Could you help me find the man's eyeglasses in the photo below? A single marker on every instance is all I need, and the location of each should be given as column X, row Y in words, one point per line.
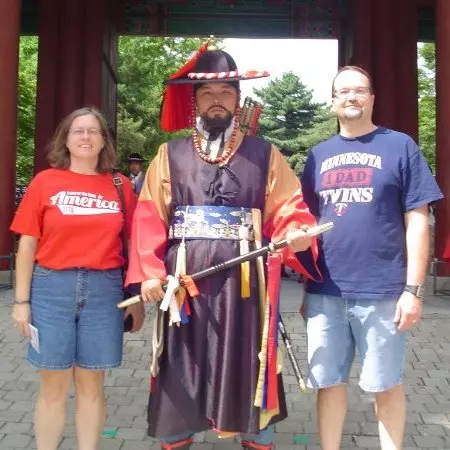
column 359, row 92
column 81, row 132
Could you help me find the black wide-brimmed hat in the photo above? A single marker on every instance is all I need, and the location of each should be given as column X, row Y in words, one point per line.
column 216, row 66
column 206, row 66
column 135, row 157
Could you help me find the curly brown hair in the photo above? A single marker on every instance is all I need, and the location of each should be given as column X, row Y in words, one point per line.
column 58, row 153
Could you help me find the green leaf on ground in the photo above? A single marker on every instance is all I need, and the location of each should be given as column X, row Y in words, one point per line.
column 109, row 433
column 300, row 439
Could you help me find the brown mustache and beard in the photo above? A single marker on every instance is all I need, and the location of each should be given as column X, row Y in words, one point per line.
column 215, row 124
column 353, row 114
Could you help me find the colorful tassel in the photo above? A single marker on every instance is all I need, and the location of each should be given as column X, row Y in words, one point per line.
column 180, row 265
column 245, row 266
column 180, row 270
column 175, row 108
column 261, row 385
column 157, row 342
column 273, row 289
column 190, row 285
column 175, row 317
column 172, row 286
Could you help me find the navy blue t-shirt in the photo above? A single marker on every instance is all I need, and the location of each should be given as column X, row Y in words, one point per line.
column 365, row 185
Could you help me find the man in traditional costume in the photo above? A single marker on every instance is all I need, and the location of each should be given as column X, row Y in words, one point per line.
column 206, row 199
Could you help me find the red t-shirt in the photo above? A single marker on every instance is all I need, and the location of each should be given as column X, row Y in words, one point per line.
column 77, row 219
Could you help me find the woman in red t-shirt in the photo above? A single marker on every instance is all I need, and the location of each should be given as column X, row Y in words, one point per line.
column 69, row 276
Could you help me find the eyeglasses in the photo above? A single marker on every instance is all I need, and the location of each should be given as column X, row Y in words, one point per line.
column 359, row 92
column 81, row 132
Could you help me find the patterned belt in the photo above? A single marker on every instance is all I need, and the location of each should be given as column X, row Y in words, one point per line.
column 211, row 222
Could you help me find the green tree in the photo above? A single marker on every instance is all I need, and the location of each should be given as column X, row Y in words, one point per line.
column 289, row 116
column 324, row 127
column 28, row 54
column 427, row 103
column 144, row 64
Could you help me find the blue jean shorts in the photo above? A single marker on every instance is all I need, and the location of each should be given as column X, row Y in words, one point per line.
column 337, row 326
column 76, row 315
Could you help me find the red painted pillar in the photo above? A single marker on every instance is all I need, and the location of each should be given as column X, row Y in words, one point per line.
column 92, row 95
column 9, row 61
column 407, row 77
column 384, row 65
column 362, row 34
column 442, row 13
column 74, row 45
column 70, row 64
column 48, row 78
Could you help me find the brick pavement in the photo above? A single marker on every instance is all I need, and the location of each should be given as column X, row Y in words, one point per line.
column 427, row 385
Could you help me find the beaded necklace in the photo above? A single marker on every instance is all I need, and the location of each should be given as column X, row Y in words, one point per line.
column 226, row 153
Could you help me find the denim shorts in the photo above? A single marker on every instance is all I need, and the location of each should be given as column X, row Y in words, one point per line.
column 337, row 326
column 76, row 315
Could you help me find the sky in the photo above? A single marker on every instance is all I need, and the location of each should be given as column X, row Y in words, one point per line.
column 315, row 61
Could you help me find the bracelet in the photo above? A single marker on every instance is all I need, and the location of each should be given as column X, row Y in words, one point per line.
column 20, row 302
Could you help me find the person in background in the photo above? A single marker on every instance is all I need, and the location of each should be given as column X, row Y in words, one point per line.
column 69, row 276
column 137, row 175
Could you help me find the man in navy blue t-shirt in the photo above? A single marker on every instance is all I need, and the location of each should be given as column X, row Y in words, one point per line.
column 375, row 185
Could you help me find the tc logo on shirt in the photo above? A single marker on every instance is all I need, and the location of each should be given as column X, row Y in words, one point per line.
column 83, row 204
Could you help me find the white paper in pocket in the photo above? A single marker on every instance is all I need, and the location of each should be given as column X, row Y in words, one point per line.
column 34, row 338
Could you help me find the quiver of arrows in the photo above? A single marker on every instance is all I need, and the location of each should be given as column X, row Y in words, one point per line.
column 249, row 117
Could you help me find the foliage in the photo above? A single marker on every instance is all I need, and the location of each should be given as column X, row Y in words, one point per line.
column 144, row 65
column 291, row 119
column 323, row 128
column 427, row 103
column 28, row 52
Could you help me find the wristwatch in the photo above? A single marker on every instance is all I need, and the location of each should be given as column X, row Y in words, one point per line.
column 416, row 289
